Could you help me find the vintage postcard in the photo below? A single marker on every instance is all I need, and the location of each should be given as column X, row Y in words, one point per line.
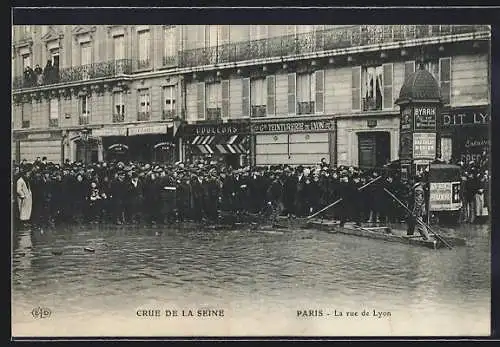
column 251, row 180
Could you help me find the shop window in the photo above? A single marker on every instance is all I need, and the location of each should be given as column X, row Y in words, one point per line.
column 118, row 107
column 144, row 42
column 54, row 112
column 168, row 102
column 373, row 149
column 84, row 110
column 144, row 105
column 213, row 101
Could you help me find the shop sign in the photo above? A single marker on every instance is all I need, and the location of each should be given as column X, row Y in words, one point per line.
column 42, row 136
column 294, row 126
column 216, row 129
column 444, row 196
column 424, row 145
column 464, row 117
column 406, row 118
column 103, row 132
column 118, row 148
column 425, row 117
column 150, row 129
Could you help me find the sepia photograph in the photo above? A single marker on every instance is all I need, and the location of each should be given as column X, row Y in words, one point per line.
column 250, row 180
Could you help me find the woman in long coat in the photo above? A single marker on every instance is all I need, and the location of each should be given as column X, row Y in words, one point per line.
column 24, row 198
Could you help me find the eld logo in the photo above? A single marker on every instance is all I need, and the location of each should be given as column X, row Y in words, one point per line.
column 41, row 312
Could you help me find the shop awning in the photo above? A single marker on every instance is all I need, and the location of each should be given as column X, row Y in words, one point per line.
column 209, row 144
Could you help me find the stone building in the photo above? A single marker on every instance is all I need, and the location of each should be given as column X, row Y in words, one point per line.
column 260, row 94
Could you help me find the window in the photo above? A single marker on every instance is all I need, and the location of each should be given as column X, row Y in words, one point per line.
column 144, row 104
column 119, row 47
column 26, row 110
column 54, row 56
column 306, row 90
column 118, row 107
column 26, row 61
column 372, row 87
column 258, row 97
column 54, row 112
column 84, row 105
column 169, row 102
column 433, row 68
column 445, row 79
column 144, row 48
column 306, row 93
column 446, row 148
column 169, row 42
column 86, row 53
column 213, row 100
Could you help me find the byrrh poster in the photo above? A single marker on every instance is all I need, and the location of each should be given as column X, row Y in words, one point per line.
column 257, row 218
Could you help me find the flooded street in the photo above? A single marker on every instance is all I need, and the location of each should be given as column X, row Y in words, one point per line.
column 259, row 278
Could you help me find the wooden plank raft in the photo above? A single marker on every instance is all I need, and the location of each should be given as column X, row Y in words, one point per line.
column 384, row 233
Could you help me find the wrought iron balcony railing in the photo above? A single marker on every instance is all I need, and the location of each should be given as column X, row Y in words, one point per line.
column 53, row 122
column 26, row 124
column 84, row 119
column 258, row 111
column 213, row 114
column 306, row 107
column 143, row 116
column 118, row 117
column 143, row 64
column 168, row 114
column 370, row 104
column 170, row 60
column 317, row 41
column 78, row 73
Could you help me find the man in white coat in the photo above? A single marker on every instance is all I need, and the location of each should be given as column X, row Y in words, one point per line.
column 24, row 198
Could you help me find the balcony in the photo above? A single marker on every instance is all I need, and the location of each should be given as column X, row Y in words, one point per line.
column 53, row 123
column 258, row 111
column 318, row 41
column 84, row 119
column 170, row 61
column 214, row 114
column 168, row 114
column 118, row 117
column 143, row 64
column 371, row 104
column 77, row 73
column 25, row 124
column 306, row 107
column 143, row 116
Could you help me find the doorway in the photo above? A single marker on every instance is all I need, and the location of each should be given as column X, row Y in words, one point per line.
column 374, row 149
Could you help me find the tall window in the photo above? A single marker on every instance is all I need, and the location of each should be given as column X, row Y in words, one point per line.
column 144, row 48
column 372, row 87
column 169, row 102
column 306, row 93
column 54, row 112
column 169, row 48
column 84, row 110
column 119, row 47
column 54, row 56
column 118, row 107
column 86, row 53
column 445, row 79
column 213, row 100
column 144, row 105
column 26, row 110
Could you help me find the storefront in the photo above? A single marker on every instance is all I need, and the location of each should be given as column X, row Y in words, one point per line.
column 367, row 141
column 143, row 143
column 303, row 142
column 465, row 133
column 29, row 146
column 228, row 142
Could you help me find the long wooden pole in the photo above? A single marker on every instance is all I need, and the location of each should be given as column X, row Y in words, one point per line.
column 340, row 199
column 420, row 221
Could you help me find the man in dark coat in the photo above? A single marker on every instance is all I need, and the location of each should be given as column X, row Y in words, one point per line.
column 135, row 198
column 152, row 201
column 118, row 197
column 197, row 198
column 289, row 191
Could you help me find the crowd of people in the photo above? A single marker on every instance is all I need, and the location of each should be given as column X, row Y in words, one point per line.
column 206, row 191
column 37, row 76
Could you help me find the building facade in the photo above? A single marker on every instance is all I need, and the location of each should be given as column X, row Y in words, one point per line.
column 259, row 94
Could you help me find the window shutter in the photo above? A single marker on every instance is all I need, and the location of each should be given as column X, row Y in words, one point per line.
column 409, row 68
column 271, row 95
column 225, row 98
column 387, row 98
column 292, row 91
column 245, row 102
column 200, row 99
column 356, row 88
column 445, row 79
column 319, row 101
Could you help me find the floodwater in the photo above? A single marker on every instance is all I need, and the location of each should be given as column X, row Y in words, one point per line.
column 259, row 278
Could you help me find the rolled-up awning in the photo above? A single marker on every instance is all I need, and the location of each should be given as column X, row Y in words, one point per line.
column 223, row 144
